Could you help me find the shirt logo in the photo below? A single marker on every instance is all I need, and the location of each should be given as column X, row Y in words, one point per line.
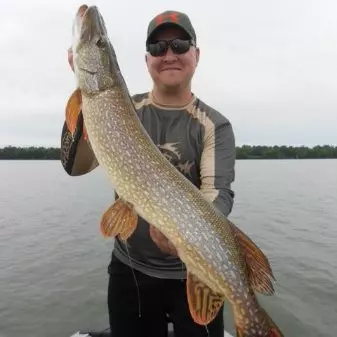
column 172, row 17
column 171, row 152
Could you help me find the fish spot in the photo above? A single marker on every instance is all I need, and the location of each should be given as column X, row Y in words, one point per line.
column 233, row 274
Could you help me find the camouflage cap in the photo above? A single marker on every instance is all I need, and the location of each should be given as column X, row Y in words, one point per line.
column 173, row 18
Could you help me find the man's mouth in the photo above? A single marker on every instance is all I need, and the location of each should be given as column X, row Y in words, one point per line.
column 171, row 68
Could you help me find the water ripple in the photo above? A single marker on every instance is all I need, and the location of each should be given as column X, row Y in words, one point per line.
column 53, row 260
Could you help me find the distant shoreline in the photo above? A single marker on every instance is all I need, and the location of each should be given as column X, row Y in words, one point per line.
column 242, row 152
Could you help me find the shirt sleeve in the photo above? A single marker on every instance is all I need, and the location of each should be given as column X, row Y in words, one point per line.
column 77, row 157
column 217, row 165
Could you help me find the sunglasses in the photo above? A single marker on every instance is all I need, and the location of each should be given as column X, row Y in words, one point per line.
column 178, row 46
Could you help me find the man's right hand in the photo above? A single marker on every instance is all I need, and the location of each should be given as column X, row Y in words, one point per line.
column 80, row 13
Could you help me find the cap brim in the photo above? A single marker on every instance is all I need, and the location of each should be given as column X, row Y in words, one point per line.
column 167, row 24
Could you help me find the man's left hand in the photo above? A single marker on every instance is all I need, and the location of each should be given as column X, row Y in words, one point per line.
column 163, row 243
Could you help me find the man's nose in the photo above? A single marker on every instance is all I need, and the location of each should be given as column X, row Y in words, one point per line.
column 170, row 56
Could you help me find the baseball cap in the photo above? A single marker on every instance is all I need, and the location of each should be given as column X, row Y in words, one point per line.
column 170, row 17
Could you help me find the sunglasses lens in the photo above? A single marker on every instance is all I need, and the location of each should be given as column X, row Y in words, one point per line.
column 178, row 46
column 158, row 49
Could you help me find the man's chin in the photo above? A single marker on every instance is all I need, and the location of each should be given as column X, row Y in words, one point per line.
column 171, row 85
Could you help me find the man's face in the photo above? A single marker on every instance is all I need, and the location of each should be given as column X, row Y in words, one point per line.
column 172, row 70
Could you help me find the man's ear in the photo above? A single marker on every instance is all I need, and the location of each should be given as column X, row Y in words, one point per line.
column 197, row 54
column 145, row 57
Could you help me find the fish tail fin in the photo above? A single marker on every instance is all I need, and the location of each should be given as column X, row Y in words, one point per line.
column 248, row 329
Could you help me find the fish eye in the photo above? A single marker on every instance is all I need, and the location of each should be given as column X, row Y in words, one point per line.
column 100, row 43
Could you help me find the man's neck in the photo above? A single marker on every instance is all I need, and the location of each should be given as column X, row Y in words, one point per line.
column 172, row 98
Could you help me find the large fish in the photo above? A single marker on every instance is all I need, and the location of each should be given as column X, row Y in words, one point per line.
column 222, row 263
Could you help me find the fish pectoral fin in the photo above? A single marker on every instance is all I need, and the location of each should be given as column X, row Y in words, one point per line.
column 260, row 274
column 203, row 302
column 73, row 109
column 119, row 219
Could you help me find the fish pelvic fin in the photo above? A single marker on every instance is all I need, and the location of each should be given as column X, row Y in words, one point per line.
column 203, row 302
column 119, row 219
column 260, row 274
column 73, row 109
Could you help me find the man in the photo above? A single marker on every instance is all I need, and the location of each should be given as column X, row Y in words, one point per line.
column 147, row 280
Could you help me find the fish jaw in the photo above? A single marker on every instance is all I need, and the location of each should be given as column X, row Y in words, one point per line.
column 92, row 53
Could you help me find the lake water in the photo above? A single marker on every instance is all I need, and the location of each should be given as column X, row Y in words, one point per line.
column 53, row 259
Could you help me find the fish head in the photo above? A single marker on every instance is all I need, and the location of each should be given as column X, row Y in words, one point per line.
column 92, row 52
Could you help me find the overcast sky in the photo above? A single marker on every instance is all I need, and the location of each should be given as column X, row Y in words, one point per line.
column 269, row 66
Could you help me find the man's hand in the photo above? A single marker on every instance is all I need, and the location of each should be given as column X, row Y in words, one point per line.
column 80, row 12
column 163, row 243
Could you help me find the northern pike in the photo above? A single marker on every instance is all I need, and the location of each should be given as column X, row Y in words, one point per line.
column 222, row 263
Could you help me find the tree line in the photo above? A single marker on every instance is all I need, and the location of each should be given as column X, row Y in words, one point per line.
column 242, row 152
column 286, row 152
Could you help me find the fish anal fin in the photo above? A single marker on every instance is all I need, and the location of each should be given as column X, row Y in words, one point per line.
column 73, row 109
column 203, row 302
column 259, row 271
column 119, row 219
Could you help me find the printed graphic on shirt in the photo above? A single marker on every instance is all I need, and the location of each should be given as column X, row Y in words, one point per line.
column 172, row 153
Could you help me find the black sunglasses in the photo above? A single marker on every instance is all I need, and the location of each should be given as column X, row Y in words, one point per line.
column 178, row 46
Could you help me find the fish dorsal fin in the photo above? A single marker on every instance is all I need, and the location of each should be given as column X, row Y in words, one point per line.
column 259, row 271
column 73, row 109
column 119, row 219
column 203, row 302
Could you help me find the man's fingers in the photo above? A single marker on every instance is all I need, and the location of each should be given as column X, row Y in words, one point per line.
column 162, row 242
column 156, row 233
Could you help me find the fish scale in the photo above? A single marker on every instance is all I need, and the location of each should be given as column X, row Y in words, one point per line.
column 216, row 253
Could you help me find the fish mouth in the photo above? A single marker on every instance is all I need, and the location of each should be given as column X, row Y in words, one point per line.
column 88, row 71
column 88, row 30
column 88, row 25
